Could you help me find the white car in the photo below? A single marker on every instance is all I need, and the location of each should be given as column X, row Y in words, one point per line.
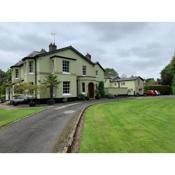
column 21, row 99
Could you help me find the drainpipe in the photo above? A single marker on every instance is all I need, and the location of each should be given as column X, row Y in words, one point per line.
column 35, row 77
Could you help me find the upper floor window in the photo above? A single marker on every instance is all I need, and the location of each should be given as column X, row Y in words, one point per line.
column 96, row 72
column 30, row 66
column 83, row 87
column 66, row 87
column 16, row 73
column 84, row 70
column 65, row 66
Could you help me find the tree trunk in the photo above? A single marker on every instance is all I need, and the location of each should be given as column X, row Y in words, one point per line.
column 51, row 92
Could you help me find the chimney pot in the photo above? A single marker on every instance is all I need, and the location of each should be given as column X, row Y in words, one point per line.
column 88, row 56
column 52, row 47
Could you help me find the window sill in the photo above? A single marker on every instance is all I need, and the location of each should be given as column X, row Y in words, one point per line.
column 66, row 94
column 31, row 73
column 66, row 73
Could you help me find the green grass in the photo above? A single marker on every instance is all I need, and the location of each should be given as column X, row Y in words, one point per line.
column 129, row 126
column 8, row 116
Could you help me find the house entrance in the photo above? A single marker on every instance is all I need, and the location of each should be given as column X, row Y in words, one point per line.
column 91, row 90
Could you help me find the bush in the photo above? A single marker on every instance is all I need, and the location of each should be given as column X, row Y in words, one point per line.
column 81, row 97
column 163, row 89
column 110, row 96
column 32, row 104
column 51, row 102
column 87, row 98
column 64, row 100
column 101, row 89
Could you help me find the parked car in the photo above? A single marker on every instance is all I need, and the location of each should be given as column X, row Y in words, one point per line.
column 152, row 93
column 20, row 99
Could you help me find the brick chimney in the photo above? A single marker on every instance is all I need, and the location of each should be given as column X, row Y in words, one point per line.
column 88, row 56
column 52, row 47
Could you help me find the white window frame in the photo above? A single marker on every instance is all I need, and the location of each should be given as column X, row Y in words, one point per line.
column 84, row 70
column 83, row 85
column 16, row 73
column 31, row 67
column 66, row 88
column 65, row 66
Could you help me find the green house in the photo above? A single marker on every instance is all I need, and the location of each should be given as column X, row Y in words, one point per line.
column 76, row 72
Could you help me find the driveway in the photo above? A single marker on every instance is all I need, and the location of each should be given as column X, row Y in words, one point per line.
column 39, row 133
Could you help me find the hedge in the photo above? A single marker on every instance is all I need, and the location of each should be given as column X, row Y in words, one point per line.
column 163, row 89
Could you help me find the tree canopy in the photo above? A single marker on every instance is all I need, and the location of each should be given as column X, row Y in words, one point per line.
column 110, row 72
column 168, row 72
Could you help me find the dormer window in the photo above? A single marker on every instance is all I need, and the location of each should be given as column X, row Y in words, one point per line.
column 30, row 66
column 65, row 66
column 84, row 70
column 16, row 73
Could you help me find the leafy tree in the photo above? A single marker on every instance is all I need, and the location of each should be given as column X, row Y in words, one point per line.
column 173, row 85
column 168, row 72
column 150, row 81
column 51, row 82
column 110, row 72
column 101, row 90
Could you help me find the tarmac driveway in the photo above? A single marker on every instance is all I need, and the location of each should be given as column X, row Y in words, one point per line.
column 39, row 133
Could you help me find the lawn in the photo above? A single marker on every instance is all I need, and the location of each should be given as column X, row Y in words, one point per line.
column 130, row 126
column 8, row 116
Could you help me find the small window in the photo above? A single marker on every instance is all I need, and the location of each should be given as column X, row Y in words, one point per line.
column 96, row 72
column 84, row 70
column 66, row 87
column 16, row 73
column 65, row 66
column 30, row 66
column 123, row 83
column 83, row 87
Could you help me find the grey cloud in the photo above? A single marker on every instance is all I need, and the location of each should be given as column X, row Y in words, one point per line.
column 131, row 48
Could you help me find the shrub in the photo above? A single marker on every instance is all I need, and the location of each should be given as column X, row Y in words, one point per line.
column 110, row 96
column 32, row 104
column 64, row 100
column 163, row 89
column 101, row 89
column 81, row 97
column 51, row 102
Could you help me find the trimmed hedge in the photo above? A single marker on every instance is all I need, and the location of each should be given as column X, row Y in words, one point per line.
column 163, row 89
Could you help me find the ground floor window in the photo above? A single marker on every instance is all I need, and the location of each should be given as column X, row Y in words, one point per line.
column 66, row 87
column 83, row 87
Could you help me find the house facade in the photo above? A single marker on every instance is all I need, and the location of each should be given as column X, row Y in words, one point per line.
column 77, row 73
column 125, row 86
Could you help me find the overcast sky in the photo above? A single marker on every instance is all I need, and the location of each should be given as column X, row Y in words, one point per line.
column 130, row 48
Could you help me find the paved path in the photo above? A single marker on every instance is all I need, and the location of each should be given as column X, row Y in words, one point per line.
column 40, row 132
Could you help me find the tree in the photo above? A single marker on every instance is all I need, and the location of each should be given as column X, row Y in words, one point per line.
column 110, row 72
column 150, row 81
column 2, row 83
column 51, row 82
column 168, row 72
column 173, row 85
column 101, row 89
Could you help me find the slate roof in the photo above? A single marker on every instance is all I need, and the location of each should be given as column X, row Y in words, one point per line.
column 36, row 54
column 128, row 79
column 18, row 64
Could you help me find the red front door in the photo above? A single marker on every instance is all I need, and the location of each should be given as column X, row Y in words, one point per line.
column 91, row 90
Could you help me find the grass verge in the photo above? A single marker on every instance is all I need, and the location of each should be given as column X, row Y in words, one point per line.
column 12, row 115
column 130, row 126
